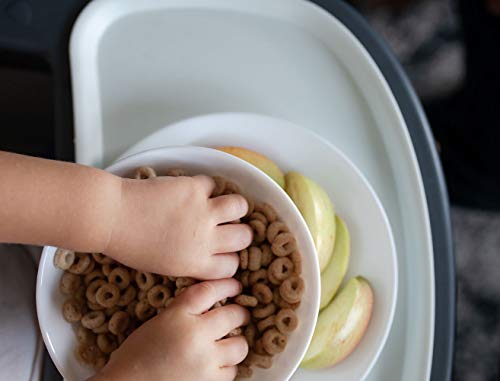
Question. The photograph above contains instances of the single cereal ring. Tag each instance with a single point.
(107, 343)
(131, 308)
(144, 311)
(102, 259)
(272, 278)
(274, 229)
(291, 289)
(72, 310)
(118, 322)
(266, 323)
(254, 258)
(261, 361)
(184, 282)
(250, 334)
(245, 278)
(81, 263)
(286, 320)
(92, 276)
(257, 276)
(90, 267)
(70, 283)
(94, 306)
(119, 276)
(100, 362)
(64, 259)
(93, 319)
(274, 342)
(246, 300)
(220, 185)
(263, 293)
(176, 172)
(244, 259)
(88, 354)
(144, 280)
(267, 210)
(158, 295)
(251, 206)
(283, 245)
(267, 254)
(127, 296)
(92, 288)
(108, 295)
(85, 336)
(259, 347)
(106, 269)
(235, 332)
(263, 312)
(244, 371)
(144, 173)
(297, 262)
(231, 188)
(259, 230)
(280, 269)
(103, 328)
(260, 217)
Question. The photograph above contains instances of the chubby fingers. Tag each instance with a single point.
(206, 183)
(232, 350)
(224, 319)
(228, 208)
(231, 237)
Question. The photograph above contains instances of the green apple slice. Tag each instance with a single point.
(334, 273)
(317, 210)
(341, 325)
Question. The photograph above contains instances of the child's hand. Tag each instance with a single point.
(183, 342)
(169, 225)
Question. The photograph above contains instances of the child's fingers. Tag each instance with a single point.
(221, 266)
(224, 319)
(228, 373)
(233, 350)
(228, 208)
(231, 237)
(200, 297)
(206, 182)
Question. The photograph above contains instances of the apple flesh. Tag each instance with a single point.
(258, 160)
(341, 325)
(318, 212)
(334, 273)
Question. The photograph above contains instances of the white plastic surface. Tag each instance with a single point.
(140, 65)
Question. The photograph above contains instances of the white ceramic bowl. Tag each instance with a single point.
(58, 334)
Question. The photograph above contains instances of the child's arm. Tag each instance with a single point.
(164, 225)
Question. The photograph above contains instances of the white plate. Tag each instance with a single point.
(294, 148)
(137, 66)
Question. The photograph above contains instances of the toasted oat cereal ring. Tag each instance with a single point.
(144, 280)
(245, 278)
(176, 172)
(88, 354)
(127, 296)
(267, 210)
(64, 259)
(106, 269)
(262, 292)
(144, 173)
(260, 217)
(231, 188)
(261, 361)
(244, 259)
(184, 282)
(81, 263)
(158, 295)
(93, 319)
(267, 254)
(273, 279)
(263, 312)
(220, 185)
(274, 229)
(291, 289)
(250, 334)
(284, 244)
(144, 311)
(131, 308)
(274, 341)
(257, 276)
(246, 300)
(103, 328)
(70, 283)
(259, 347)
(92, 288)
(72, 310)
(254, 258)
(102, 259)
(169, 301)
(286, 320)
(297, 262)
(94, 306)
(259, 230)
(90, 267)
(235, 332)
(244, 371)
(108, 295)
(106, 343)
(280, 269)
(266, 323)
(100, 362)
(92, 276)
(118, 322)
(251, 206)
(85, 336)
(119, 276)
